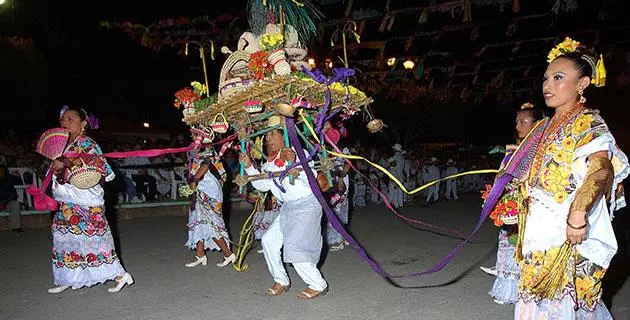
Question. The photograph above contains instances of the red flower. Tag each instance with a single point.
(278, 162)
(75, 256)
(91, 257)
(74, 220)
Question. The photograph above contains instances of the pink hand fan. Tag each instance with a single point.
(52, 143)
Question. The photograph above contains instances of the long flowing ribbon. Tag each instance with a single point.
(153, 152)
(388, 204)
(389, 174)
(493, 197)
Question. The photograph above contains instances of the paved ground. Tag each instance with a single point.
(153, 251)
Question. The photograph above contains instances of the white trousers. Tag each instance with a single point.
(451, 190)
(395, 195)
(272, 242)
(434, 193)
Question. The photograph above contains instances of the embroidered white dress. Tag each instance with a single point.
(83, 252)
(563, 171)
(205, 218)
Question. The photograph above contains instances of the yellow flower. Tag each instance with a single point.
(560, 156)
(582, 124)
(582, 286)
(568, 45)
(555, 178)
(270, 41)
(200, 88)
(568, 144)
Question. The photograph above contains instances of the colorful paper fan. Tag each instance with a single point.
(52, 143)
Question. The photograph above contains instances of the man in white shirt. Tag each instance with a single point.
(297, 228)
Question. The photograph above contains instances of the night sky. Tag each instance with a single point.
(112, 74)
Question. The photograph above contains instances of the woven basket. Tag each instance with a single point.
(189, 109)
(52, 143)
(85, 177)
(233, 86)
(202, 135)
(219, 126)
(375, 125)
(253, 106)
(279, 62)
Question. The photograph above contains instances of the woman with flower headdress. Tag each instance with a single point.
(566, 238)
(206, 227)
(505, 287)
(83, 252)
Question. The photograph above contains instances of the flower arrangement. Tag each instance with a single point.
(506, 209)
(199, 89)
(258, 66)
(270, 42)
(185, 97)
(567, 46)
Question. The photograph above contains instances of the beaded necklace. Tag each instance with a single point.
(551, 133)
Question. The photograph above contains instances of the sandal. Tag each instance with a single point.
(277, 289)
(308, 294)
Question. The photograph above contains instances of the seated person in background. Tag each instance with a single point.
(8, 199)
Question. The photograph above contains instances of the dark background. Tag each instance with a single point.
(75, 61)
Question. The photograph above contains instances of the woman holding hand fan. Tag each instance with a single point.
(83, 252)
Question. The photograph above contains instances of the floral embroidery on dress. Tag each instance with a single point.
(73, 260)
(588, 277)
(75, 219)
(556, 177)
(211, 203)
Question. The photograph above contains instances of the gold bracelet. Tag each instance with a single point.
(574, 227)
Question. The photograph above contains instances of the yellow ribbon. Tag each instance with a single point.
(205, 71)
(391, 176)
(245, 237)
(600, 73)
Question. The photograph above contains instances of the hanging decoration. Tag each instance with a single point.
(350, 28)
(175, 33)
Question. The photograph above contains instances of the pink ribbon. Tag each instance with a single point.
(153, 152)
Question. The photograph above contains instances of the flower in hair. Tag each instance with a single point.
(567, 46)
(527, 105)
